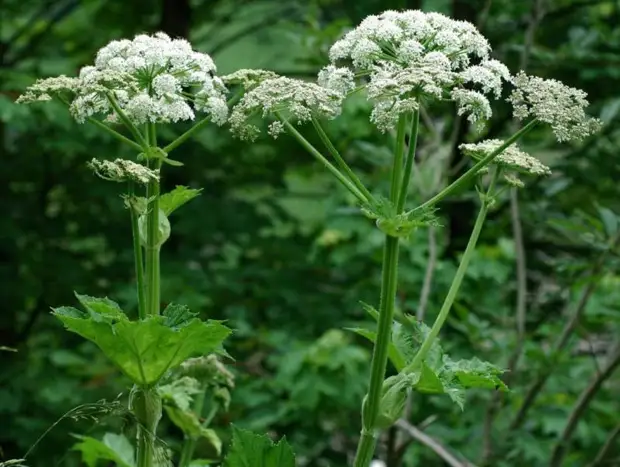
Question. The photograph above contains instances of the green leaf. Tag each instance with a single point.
(170, 202)
(251, 450)
(102, 309)
(475, 373)
(177, 316)
(144, 350)
(180, 392)
(112, 447)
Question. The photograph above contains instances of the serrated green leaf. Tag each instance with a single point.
(101, 308)
(180, 392)
(475, 373)
(252, 450)
(144, 350)
(177, 316)
(372, 311)
(408, 336)
(171, 201)
(112, 447)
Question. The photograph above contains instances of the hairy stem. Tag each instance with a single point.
(458, 279)
(137, 253)
(146, 406)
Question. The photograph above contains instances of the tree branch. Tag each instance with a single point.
(606, 447)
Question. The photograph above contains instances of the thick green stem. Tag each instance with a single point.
(340, 161)
(389, 282)
(137, 252)
(146, 406)
(473, 172)
(409, 161)
(328, 165)
(458, 278)
(152, 238)
(397, 171)
(368, 439)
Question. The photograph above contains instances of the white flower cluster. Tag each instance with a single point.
(554, 103)
(512, 158)
(294, 100)
(153, 79)
(410, 55)
(122, 170)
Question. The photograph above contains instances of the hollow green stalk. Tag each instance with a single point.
(340, 161)
(473, 171)
(137, 252)
(147, 406)
(409, 161)
(486, 200)
(127, 122)
(328, 165)
(389, 282)
(152, 247)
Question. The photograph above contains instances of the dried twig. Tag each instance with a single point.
(428, 275)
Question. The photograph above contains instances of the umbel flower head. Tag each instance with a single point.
(294, 100)
(409, 56)
(151, 78)
(554, 103)
(511, 159)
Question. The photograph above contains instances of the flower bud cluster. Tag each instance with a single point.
(122, 170)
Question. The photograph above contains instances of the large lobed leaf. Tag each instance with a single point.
(252, 450)
(145, 349)
(112, 447)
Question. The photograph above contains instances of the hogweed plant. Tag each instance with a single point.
(168, 354)
(405, 63)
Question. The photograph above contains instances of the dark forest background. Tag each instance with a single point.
(271, 246)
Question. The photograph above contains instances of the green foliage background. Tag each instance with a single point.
(273, 246)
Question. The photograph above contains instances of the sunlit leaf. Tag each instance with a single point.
(145, 349)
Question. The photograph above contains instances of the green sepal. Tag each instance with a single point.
(171, 201)
(252, 450)
(145, 349)
(394, 398)
(112, 447)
